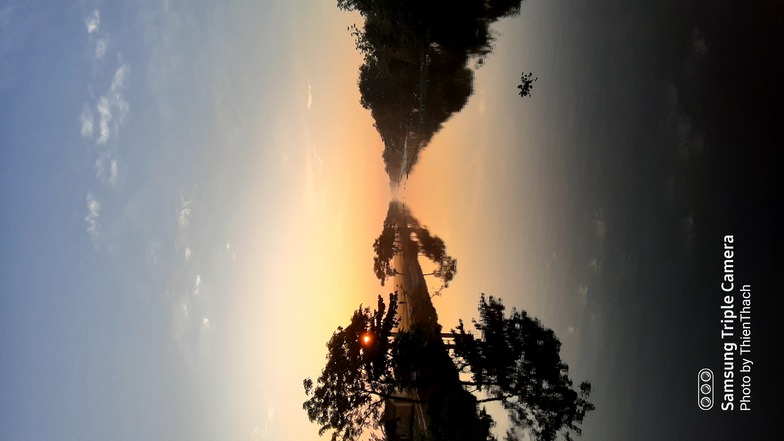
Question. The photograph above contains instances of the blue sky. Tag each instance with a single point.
(189, 192)
(165, 166)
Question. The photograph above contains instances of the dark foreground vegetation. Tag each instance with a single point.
(416, 71)
(512, 359)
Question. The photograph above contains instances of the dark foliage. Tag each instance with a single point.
(516, 361)
(348, 397)
(415, 74)
(526, 84)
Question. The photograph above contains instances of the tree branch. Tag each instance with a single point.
(496, 398)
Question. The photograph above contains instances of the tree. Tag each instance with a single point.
(415, 74)
(361, 376)
(516, 361)
(526, 84)
(434, 248)
(382, 261)
(430, 245)
(349, 395)
(447, 268)
(385, 248)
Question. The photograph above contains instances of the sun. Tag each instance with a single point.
(366, 339)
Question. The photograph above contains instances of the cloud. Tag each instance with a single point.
(104, 116)
(184, 213)
(690, 142)
(197, 285)
(582, 294)
(310, 95)
(87, 120)
(190, 321)
(699, 45)
(93, 215)
(596, 265)
(110, 104)
(107, 174)
(113, 172)
(100, 168)
(187, 254)
(92, 22)
(262, 433)
(600, 224)
(271, 412)
(100, 48)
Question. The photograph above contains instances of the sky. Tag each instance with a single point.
(190, 191)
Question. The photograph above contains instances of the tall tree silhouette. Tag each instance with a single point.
(349, 395)
(386, 246)
(517, 361)
(415, 74)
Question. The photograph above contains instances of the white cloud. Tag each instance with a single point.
(100, 48)
(87, 119)
(104, 116)
(184, 214)
(187, 254)
(115, 93)
(582, 294)
(310, 95)
(270, 412)
(118, 81)
(107, 169)
(255, 434)
(111, 103)
(100, 168)
(596, 264)
(93, 215)
(113, 172)
(92, 22)
(197, 285)
(262, 433)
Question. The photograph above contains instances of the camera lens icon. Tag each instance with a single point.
(705, 389)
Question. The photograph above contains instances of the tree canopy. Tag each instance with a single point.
(389, 244)
(385, 249)
(514, 360)
(348, 397)
(415, 73)
(434, 248)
